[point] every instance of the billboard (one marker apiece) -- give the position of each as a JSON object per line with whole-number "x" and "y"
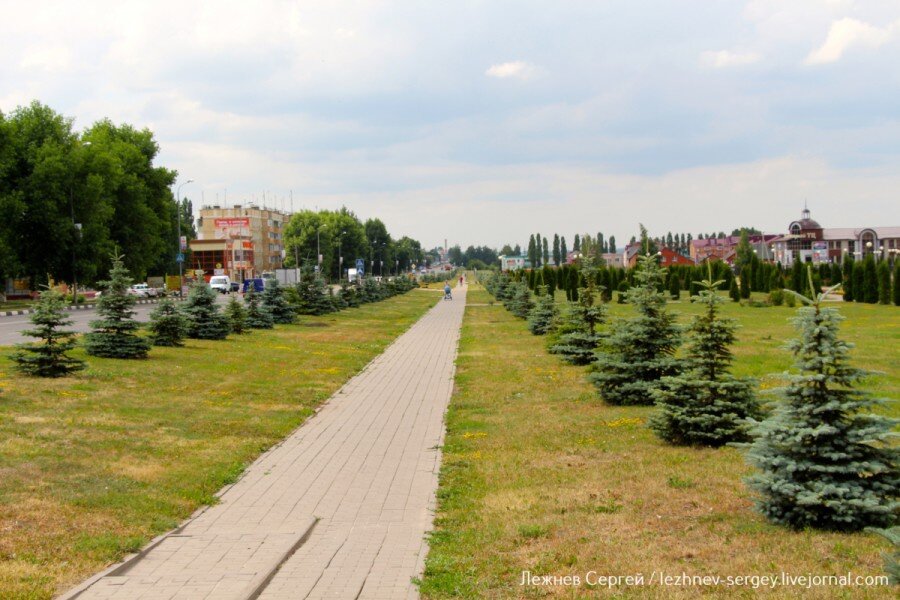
{"x": 232, "y": 227}
{"x": 235, "y": 223}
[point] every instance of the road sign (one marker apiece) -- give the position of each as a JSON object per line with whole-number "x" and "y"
{"x": 360, "y": 267}
{"x": 183, "y": 242}
{"x": 179, "y": 257}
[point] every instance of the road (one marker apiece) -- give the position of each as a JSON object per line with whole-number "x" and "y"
{"x": 10, "y": 327}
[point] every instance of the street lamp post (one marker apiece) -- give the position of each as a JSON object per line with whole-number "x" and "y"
{"x": 76, "y": 230}
{"x": 319, "y": 250}
{"x": 180, "y": 252}
{"x": 341, "y": 256}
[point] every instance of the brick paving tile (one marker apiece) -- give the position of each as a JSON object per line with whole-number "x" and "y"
{"x": 358, "y": 481}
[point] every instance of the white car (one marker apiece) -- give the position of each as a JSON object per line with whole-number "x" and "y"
{"x": 220, "y": 283}
{"x": 142, "y": 290}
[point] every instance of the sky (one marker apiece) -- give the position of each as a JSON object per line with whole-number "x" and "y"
{"x": 484, "y": 122}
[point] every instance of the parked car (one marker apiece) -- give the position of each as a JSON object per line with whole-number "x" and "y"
{"x": 258, "y": 284}
{"x": 220, "y": 283}
{"x": 235, "y": 286}
{"x": 142, "y": 290}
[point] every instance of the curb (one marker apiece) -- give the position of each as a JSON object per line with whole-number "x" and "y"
{"x": 28, "y": 311}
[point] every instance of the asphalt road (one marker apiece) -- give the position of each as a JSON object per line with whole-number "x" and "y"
{"x": 10, "y": 327}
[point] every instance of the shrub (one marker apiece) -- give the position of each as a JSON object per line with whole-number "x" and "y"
{"x": 705, "y": 404}
{"x": 205, "y": 320}
{"x": 824, "y": 459}
{"x": 776, "y": 297}
{"x": 168, "y": 325}
{"x": 113, "y": 334}
{"x": 48, "y": 358}
{"x": 639, "y": 351}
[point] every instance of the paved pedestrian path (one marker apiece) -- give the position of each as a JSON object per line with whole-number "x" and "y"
{"x": 340, "y": 509}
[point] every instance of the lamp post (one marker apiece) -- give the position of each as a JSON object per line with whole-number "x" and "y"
{"x": 318, "y": 249}
{"x": 341, "y": 255}
{"x": 76, "y": 230}
{"x": 179, "y": 254}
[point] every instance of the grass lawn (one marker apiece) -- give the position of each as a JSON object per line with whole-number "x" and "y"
{"x": 94, "y": 466}
{"x": 539, "y": 474}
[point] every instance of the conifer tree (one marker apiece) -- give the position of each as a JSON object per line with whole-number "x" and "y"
{"x": 891, "y": 559}
{"x": 848, "y": 279}
{"x": 314, "y": 298}
{"x": 205, "y": 320}
{"x": 733, "y": 291}
{"x": 168, "y": 325}
{"x": 350, "y": 295}
{"x": 674, "y": 286}
{"x": 824, "y": 459}
{"x": 338, "y": 303}
{"x": 258, "y": 317}
{"x": 870, "y": 279}
{"x": 859, "y": 282}
{"x": 578, "y": 336}
{"x": 542, "y": 318}
{"x": 639, "y": 351}
{"x": 896, "y": 284}
{"x": 236, "y": 315}
{"x": 556, "y": 248}
{"x": 884, "y": 283}
{"x": 276, "y": 304}
{"x": 798, "y": 276}
{"x": 705, "y": 404}
{"x": 48, "y": 357}
{"x": 113, "y": 335}
{"x": 520, "y": 303}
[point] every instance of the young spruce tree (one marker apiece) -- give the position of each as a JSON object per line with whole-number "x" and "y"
{"x": 542, "y": 318}
{"x": 168, "y": 325}
{"x": 273, "y": 300}
{"x": 258, "y": 316}
{"x": 48, "y": 357}
{"x": 314, "y": 297}
{"x": 521, "y": 302}
{"x": 639, "y": 351}
{"x": 824, "y": 459}
{"x": 113, "y": 335}
{"x": 236, "y": 315}
{"x": 705, "y": 404}
{"x": 205, "y": 320}
{"x": 578, "y": 336}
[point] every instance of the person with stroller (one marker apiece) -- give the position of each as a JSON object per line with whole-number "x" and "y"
{"x": 447, "y": 295}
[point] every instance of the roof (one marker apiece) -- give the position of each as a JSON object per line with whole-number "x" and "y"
{"x": 853, "y": 233}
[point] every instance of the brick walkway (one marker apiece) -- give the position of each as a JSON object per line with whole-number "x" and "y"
{"x": 339, "y": 509}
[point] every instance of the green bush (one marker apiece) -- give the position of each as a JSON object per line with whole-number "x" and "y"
{"x": 776, "y": 297}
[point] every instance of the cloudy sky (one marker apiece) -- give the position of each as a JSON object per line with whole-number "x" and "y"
{"x": 483, "y": 122}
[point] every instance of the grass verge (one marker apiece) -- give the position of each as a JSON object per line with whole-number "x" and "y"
{"x": 94, "y": 466}
{"x": 540, "y": 475}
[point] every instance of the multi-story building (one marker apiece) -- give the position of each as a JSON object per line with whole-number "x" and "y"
{"x": 808, "y": 241}
{"x": 725, "y": 248}
{"x": 250, "y": 238}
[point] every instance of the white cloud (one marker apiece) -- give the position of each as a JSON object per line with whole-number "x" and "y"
{"x": 46, "y": 58}
{"x": 518, "y": 69}
{"x": 725, "y": 58}
{"x": 846, "y": 33}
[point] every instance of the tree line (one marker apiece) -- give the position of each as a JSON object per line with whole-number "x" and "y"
{"x": 69, "y": 199}
{"x": 341, "y": 238}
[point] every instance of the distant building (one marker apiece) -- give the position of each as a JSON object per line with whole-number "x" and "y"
{"x": 667, "y": 256}
{"x": 513, "y": 263}
{"x": 725, "y": 248}
{"x": 263, "y": 228}
{"x": 613, "y": 260}
{"x": 808, "y": 241}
